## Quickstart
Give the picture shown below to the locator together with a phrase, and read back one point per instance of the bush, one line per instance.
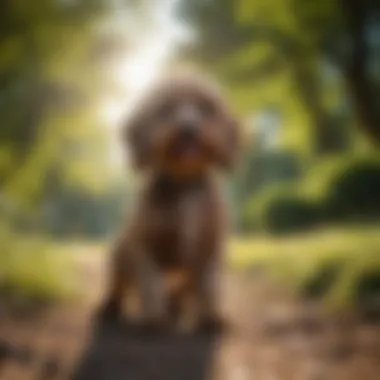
(289, 214)
(354, 194)
(250, 216)
(340, 268)
(321, 279)
(280, 210)
(340, 189)
(367, 293)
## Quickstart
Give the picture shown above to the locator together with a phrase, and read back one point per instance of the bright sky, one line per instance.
(154, 45)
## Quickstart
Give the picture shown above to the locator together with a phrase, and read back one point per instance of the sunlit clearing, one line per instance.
(136, 73)
(137, 70)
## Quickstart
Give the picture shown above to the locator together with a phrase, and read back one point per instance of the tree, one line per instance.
(51, 81)
(268, 39)
(361, 16)
(251, 42)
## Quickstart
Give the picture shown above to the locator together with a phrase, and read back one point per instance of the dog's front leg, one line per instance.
(200, 299)
(201, 255)
(207, 293)
(152, 291)
(118, 281)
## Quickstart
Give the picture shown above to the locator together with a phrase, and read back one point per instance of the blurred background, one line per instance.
(303, 75)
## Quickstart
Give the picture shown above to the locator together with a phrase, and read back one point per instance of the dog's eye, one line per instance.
(207, 108)
(165, 110)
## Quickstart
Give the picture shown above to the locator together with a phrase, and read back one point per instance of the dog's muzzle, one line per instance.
(187, 142)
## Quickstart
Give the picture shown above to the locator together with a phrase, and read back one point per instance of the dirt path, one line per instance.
(272, 337)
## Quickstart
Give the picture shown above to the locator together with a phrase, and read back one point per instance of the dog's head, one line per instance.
(183, 127)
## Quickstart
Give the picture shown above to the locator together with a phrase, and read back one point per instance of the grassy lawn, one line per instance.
(341, 266)
(33, 269)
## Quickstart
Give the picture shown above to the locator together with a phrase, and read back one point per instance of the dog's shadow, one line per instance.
(116, 352)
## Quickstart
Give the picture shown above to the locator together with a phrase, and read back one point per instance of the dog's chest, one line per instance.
(177, 228)
(164, 222)
(175, 219)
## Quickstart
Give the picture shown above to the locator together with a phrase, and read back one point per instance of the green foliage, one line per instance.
(338, 190)
(345, 280)
(280, 210)
(273, 52)
(320, 281)
(52, 81)
(340, 267)
(263, 168)
(30, 273)
(53, 56)
(367, 292)
(79, 214)
(354, 194)
(290, 214)
(254, 209)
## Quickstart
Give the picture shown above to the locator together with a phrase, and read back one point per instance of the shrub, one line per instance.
(340, 189)
(367, 293)
(280, 210)
(321, 280)
(354, 194)
(250, 216)
(289, 214)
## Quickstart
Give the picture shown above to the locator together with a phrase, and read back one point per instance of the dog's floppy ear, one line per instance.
(135, 139)
(232, 144)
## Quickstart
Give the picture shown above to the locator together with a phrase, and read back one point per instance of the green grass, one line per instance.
(32, 269)
(339, 266)
(334, 264)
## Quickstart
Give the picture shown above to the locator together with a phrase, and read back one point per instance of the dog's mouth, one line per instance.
(186, 148)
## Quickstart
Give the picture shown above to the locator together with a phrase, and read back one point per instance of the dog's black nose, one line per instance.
(188, 130)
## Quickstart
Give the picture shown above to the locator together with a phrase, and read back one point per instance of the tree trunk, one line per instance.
(358, 81)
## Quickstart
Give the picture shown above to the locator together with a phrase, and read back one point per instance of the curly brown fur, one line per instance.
(180, 136)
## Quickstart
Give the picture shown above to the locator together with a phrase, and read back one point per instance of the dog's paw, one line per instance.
(149, 326)
(212, 324)
(207, 324)
(109, 312)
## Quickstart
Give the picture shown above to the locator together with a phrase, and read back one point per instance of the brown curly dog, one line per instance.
(181, 136)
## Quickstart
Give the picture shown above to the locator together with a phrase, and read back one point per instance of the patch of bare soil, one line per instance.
(272, 336)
